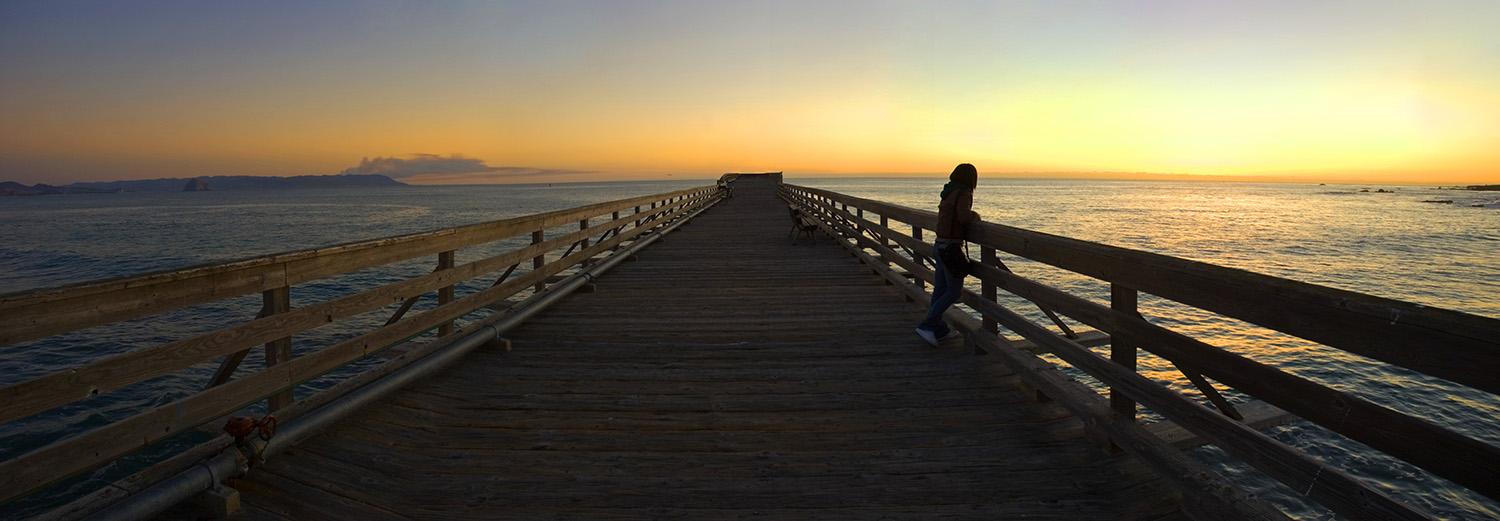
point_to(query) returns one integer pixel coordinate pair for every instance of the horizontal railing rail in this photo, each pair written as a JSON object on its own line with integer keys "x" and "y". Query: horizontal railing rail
{"x": 42, "y": 313}
{"x": 1341, "y": 319}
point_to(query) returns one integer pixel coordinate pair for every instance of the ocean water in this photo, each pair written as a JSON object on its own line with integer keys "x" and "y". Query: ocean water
{"x": 1386, "y": 244}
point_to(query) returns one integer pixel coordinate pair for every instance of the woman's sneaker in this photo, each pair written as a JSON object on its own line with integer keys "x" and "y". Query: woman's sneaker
{"x": 928, "y": 336}
{"x": 953, "y": 334}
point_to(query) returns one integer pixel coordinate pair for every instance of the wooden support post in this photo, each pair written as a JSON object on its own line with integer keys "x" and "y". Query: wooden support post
{"x": 1121, "y": 350}
{"x": 916, "y": 233}
{"x": 276, "y": 301}
{"x": 539, "y": 260}
{"x": 220, "y": 502}
{"x": 615, "y": 216}
{"x": 988, "y": 288}
{"x": 583, "y": 224}
{"x": 885, "y": 224}
{"x": 499, "y": 344}
{"x": 1209, "y": 392}
{"x": 445, "y": 293}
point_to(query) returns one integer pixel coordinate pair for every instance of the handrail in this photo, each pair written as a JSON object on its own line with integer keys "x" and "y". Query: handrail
{"x": 1456, "y": 346}
{"x": 177, "y": 288}
{"x": 1467, "y": 461}
{"x": 38, "y": 313}
{"x": 166, "y": 484}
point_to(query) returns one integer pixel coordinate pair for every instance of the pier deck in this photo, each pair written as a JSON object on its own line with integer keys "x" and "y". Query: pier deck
{"x": 726, "y": 373}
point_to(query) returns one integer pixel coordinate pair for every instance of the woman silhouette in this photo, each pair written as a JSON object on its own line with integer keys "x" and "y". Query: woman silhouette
{"x": 950, "y": 262}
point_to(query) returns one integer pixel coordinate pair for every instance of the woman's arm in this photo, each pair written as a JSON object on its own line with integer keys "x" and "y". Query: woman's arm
{"x": 964, "y": 208}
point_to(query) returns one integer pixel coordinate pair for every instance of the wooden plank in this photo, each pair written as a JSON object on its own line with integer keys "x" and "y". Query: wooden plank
{"x": 1121, "y": 349}
{"x": 38, "y": 313}
{"x": 1091, "y": 338}
{"x": 583, "y": 224}
{"x": 278, "y": 351}
{"x": 1447, "y": 344}
{"x": 445, "y": 293}
{"x": 916, "y": 234}
{"x": 540, "y": 259}
{"x": 987, "y": 289}
{"x": 110, "y": 373}
{"x": 1257, "y": 414}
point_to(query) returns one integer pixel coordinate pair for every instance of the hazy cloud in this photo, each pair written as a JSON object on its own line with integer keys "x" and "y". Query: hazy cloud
{"x": 434, "y": 164}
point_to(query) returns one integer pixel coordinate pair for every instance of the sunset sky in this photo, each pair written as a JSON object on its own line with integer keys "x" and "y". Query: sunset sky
{"x": 1392, "y": 91}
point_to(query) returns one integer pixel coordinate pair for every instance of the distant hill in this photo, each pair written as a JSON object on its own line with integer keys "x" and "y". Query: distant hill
{"x": 210, "y": 183}
{"x": 14, "y": 188}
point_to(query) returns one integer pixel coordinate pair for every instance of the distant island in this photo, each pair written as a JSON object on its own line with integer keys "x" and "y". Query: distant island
{"x": 203, "y": 184}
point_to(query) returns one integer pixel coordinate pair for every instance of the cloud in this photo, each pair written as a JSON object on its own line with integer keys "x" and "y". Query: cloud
{"x": 429, "y": 165}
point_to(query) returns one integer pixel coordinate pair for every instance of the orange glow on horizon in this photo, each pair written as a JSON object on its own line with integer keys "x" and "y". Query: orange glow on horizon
{"x": 1111, "y": 92}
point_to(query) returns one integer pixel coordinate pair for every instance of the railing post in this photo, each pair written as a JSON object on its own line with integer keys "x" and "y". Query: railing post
{"x": 1121, "y": 350}
{"x": 987, "y": 287}
{"x": 539, "y": 259}
{"x": 615, "y": 216}
{"x": 916, "y": 233}
{"x": 445, "y": 293}
{"x": 885, "y": 222}
{"x": 278, "y": 300}
{"x": 583, "y": 224}
{"x": 885, "y": 240}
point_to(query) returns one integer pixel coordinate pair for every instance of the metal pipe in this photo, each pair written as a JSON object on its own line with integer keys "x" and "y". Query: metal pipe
{"x": 231, "y": 463}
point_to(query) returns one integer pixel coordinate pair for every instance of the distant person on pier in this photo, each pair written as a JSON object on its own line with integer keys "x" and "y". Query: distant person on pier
{"x": 951, "y": 263}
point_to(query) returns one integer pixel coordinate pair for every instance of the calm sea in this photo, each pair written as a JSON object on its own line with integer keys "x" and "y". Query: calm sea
{"x": 1386, "y": 244}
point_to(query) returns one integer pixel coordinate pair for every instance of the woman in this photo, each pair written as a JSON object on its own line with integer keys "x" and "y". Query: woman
{"x": 950, "y": 262}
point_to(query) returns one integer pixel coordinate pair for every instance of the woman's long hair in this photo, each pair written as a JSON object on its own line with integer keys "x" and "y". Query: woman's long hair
{"x": 964, "y": 176}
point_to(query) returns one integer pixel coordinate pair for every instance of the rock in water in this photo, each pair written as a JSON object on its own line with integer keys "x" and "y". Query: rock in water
{"x": 196, "y": 184}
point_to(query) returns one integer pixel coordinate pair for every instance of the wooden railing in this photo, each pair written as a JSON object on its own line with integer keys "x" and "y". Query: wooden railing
{"x": 37, "y": 314}
{"x": 1458, "y": 347}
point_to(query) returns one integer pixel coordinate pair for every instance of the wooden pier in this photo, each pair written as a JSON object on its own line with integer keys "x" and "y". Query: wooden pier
{"x": 687, "y": 356}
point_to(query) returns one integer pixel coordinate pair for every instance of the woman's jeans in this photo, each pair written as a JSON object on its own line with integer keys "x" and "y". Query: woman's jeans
{"x": 946, "y": 288}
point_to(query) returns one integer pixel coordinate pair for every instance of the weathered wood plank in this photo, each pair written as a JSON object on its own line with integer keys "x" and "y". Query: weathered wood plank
{"x": 1258, "y": 415}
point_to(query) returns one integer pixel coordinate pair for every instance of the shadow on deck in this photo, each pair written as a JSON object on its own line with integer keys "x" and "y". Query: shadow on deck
{"x": 727, "y": 373}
